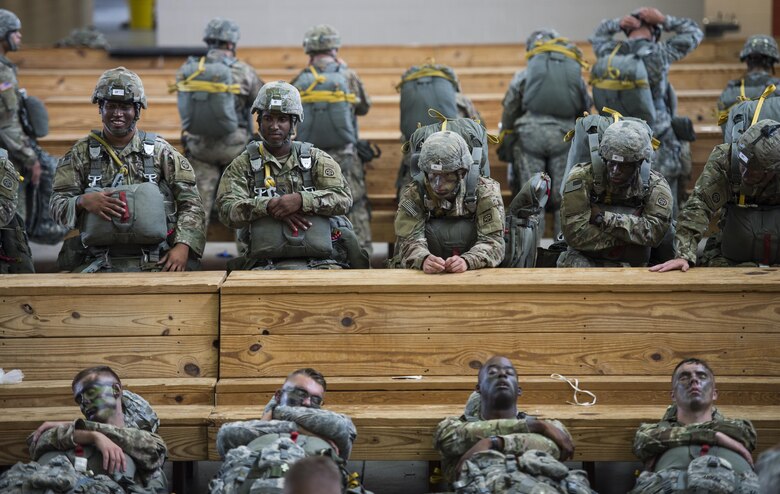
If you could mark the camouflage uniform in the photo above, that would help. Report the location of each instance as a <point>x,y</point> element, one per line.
<point>768,468</point>
<point>173,169</point>
<point>654,440</point>
<point>15,255</point>
<point>88,37</point>
<point>209,155</point>
<point>686,38</point>
<point>713,193</point>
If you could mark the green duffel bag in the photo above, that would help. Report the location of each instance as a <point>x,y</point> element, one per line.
<point>144,221</point>
<point>273,239</point>
<point>35,117</point>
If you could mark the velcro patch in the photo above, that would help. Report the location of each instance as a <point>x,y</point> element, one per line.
<point>572,186</point>
<point>8,182</point>
<point>716,197</point>
<point>617,157</point>
<point>185,165</point>
<point>662,201</point>
<point>487,217</point>
<point>117,92</point>
<point>329,171</point>
<point>410,208</point>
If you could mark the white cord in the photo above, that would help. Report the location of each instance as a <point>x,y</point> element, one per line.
<point>575,383</point>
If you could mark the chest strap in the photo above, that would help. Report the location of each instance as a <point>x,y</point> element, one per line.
<point>264,182</point>
<point>96,146</point>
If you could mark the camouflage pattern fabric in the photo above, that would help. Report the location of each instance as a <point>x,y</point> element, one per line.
<point>768,468</point>
<point>138,412</point>
<point>220,29</point>
<point>279,96</point>
<point>41,227</point>
<point>713,192</point>
<point>687,36</point>
<point>754,84</point>
<point>120,84</point>
<point>647,228</point>
<point>15,254</point>
<point>9,191</point>
<point>238,206</point>
<point>760,44</point>
<point>174,172</point>
<point>411,246</point>
<point>321,37</point>
<point>87,37</point>
<point>56,476</point>
<point>147,450</point>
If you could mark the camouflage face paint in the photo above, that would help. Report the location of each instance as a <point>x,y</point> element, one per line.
<point>294,396</point>
<point>97,399</point>
<point>693,387</point>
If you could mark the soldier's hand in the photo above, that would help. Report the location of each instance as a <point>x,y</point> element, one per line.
<point>176,258</point>
<point>651,16</point>
<point>45,427</point>
<point>102,204</point>
<point>671,265</point>
<point>35,173</point>
<point>730,443</point>
<point>548,430</point>
<point>455,264</point>
<point>594,211</point>
<point>629,23</point>
<point>279,207</point>
<point>482,445</point>
<point>113,457</point>
<point>433,264</point>
<point>297,221</point>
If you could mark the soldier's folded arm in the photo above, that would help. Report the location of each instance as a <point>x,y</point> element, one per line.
<point>146,448</point>
<point>650,227</point>
<point>454,437</point>
<point>575,215</point>
<point>324,423</point>
<point>332,195</point>
<point>236,207</point>
<point>602,37</point>
<point>58,438</point>
<point>653,439</point>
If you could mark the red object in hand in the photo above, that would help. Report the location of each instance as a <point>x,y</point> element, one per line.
<point>294,436</point>
<point>126,215</point>
<point>705,450</point>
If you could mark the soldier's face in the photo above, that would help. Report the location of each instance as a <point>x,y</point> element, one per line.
<point>498,381</point>
<point>275,128</point>
<point>755,175</point>
<point>118,117</point>
<point>301,391</point>
<point>621,173</point>
<point>14,41</point>
<point>97,397</point>
<point>693,387</point>
<point>443,184</point>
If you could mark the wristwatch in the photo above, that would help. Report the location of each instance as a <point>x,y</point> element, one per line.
<point>495,443</point>
<point>599,219</point>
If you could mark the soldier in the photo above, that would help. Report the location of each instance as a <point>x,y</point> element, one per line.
<point>475,447</point>
<point>292,421</point>
<point>615,210</point>
<point>313,475</point>
<point>694,448</point>
<point>540,107</point>
<point>744,184</point>
<point>208,147</point>
<point>760,54</point>
<point>15,255</point>
<point>333,96</point>
<point>643,28</point>
<point>285,197</point>
<point>114,448</point>
<point>448,220</point>
<point>768,468</point>
<point>12,135</point>
<point>130,193</point>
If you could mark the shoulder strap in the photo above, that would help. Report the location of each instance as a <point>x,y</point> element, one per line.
<point>304,153</point>
<point>644,173</point>
<point>256,168</point>
<point>149,139</point>
<point>95,165</point>
<point>472,178</point>
<point>597,163</point>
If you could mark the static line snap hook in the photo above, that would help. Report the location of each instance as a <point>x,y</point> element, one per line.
<point>575,383</point>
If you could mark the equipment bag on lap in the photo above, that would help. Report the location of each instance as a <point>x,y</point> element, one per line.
<point>425,87</point>
<point>206,97</point>
<point>552,78</point>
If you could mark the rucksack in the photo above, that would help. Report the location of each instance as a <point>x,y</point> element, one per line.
<point>206,97</point>
<point>327,104</point>
<point>41,227</point>
<point>620,82</point>
<point>739,90</point>
<point>553,77</point>
<point>746,113</point>
<point>522,226</point>
<point>425,87</point>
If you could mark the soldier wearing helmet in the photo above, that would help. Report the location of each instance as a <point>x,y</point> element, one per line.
<point>15,255</point>
<point>740,181</point>
<point>760,55</point>
<point>643,29</point>
<point>286,197</point>
<point>616,209</point>
<point>97,180</point>
<point>20,146</point>
<point>447,222</point>
<point>333,97</point>
<point>209,150</point>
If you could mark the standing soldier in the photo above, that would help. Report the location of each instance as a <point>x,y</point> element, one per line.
<point>333,96</point>
<point>216,93</point>
<point>15,255</point>
<point>643,29</point>
<point>12,136</point>
<point>131,194</point>
<point>540,107</point>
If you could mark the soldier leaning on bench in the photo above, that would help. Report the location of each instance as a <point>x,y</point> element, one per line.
<point>113,449</point>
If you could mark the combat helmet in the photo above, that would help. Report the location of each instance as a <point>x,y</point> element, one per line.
<point>444,151</point>
<point>541,35</point>
<point>220,29</point>
<point>759,146</point>
<point>120,84</point>
<point>321,38</point>
<point>760,44</point>
<point>627,141</point>
<point>279,96</point>
<point>9,23</point>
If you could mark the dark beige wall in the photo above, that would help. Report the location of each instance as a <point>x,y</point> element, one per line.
<point>46,21</point>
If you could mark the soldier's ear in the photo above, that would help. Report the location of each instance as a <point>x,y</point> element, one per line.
<point>714,394</point>
<point>117,390</point>
<point>278,395</point>
<point>519,391</point>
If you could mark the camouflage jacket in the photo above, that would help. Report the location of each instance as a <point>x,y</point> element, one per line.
<point>147,450</point>
<point>328,425</point>
<point>652,440</point>
<point>9,191</point>
<point>687,36</point>
<point>648,227</point>
<point>413,211</point>
<point>238,206</point>
<point>363,102</point>
<point>12,137</point>
<point>712,192</point>
<point>173,169</point>
<point>456,435</point>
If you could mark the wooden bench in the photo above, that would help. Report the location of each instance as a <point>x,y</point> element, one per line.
<point>620,331</point>
<point>159,332</point>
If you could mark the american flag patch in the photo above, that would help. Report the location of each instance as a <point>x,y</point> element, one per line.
<point>5,86</point>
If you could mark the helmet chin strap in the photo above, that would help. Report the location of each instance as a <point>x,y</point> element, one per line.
<point>11,45</point>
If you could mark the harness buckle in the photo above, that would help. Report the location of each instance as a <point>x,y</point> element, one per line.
<point>265,191</point>
<point>306,162</point>
<point>151,177</point>
<point>94,179</point>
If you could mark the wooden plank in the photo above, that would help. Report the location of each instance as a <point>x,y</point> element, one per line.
<point>189,443</point>
<point>136,357</point>
<point>112,283</point>
<point>170,391</point>
<point>586,353</point>
<point>587,281</point>
<point>376,313</point>
<point>88,315</point>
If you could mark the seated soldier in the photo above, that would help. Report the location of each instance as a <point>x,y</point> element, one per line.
<point>15,254</point>
<point>114,448</point>
<point>447,222</point>
<point>292,426</point>
<point>475,447</point>
<point>743,185</point>
<point>313,475</point>
<point>285,197</point>
<point>768,468</point>
<point>616,210</point>
<point>694,446</point>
